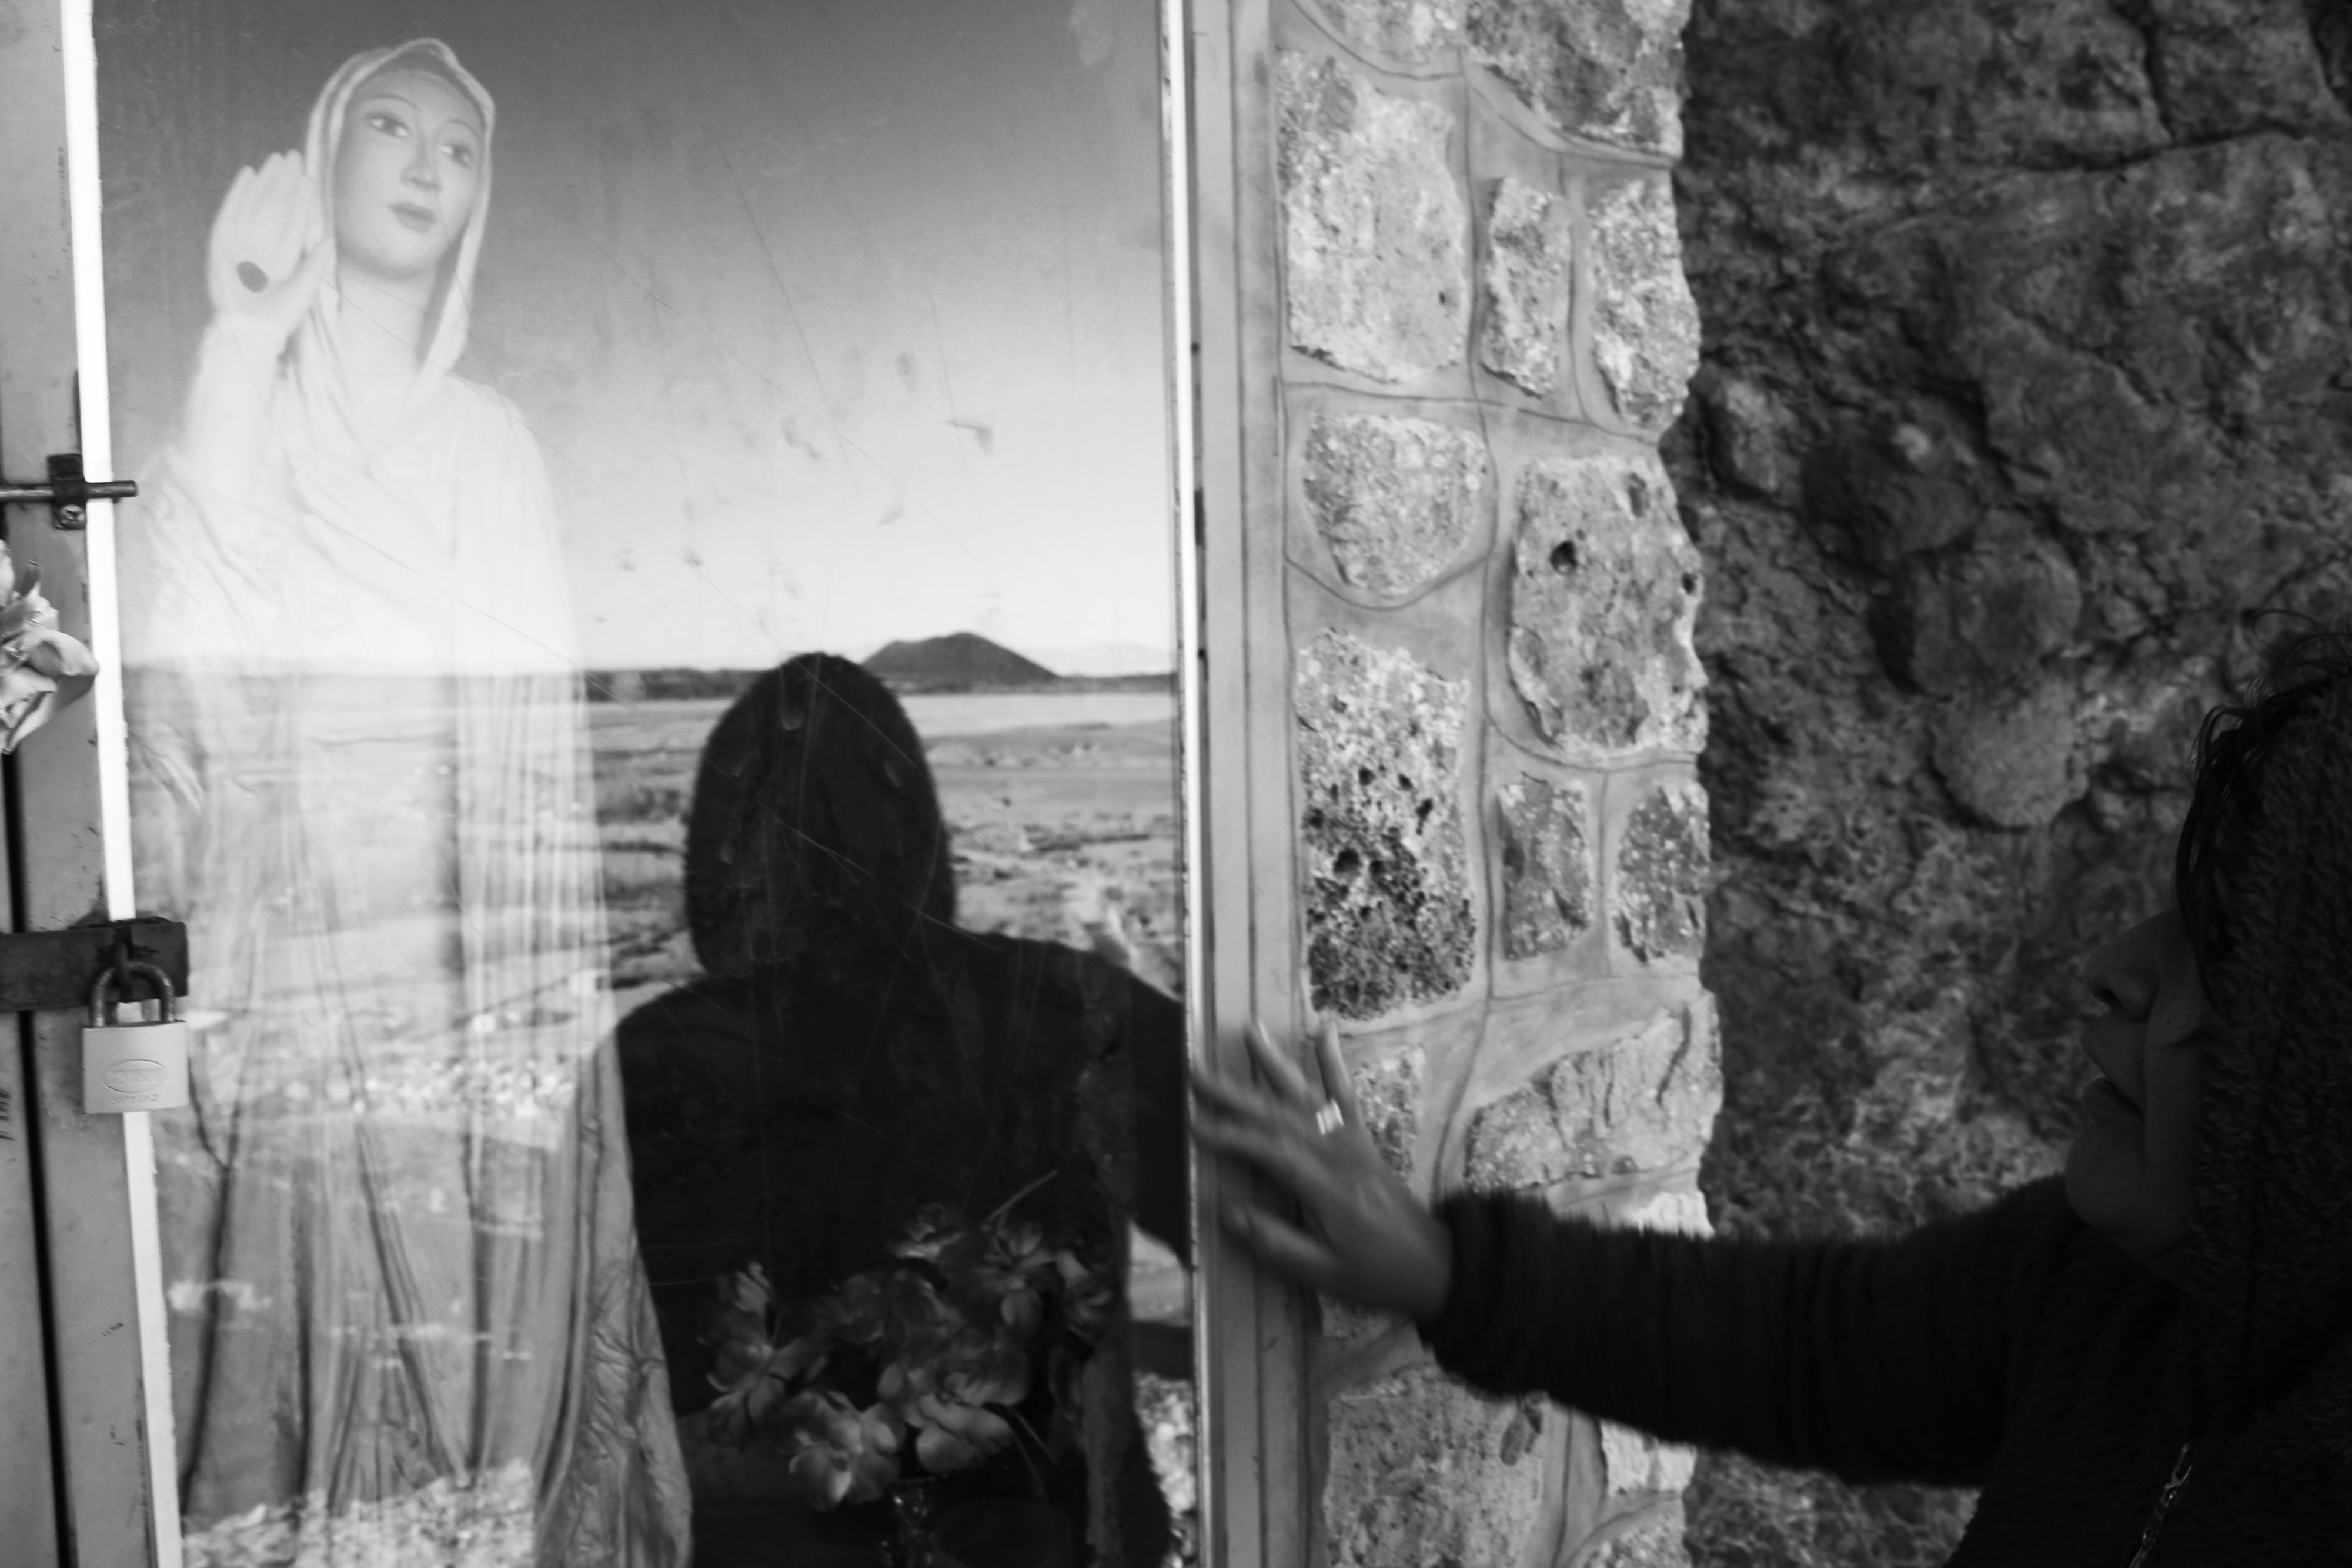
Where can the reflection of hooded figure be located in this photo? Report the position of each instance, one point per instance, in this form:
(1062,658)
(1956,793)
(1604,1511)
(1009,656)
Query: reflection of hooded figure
(407,1318)
(852,1056)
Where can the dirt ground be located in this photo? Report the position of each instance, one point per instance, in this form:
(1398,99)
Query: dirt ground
(1061,832)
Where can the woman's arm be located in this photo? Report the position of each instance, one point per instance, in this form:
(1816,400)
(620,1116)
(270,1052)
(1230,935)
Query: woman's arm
(1878,1359)
(1875,1359)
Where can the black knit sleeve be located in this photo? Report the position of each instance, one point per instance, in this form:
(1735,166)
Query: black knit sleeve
(1879,1360)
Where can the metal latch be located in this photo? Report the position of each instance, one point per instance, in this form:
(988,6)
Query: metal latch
(42,970)
(67,493)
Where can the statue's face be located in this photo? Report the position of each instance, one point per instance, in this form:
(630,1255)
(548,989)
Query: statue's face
(2127,1170)
(407,174)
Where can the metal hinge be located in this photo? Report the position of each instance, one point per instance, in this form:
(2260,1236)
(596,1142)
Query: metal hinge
(42,970)
(67,493)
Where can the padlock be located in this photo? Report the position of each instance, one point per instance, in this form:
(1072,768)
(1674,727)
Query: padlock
(133,1066)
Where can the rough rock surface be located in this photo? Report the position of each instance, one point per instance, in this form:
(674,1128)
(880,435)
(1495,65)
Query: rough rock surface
(1605,71)
(1388,908)
(1634,1462)
(1546,865)
(1682,1213)
(1604,593)
(1658,893)
(1525,285)
(1387,1094)
(1424,1471)
(1655,1539)
(1374,231)
(1395,499)
(2011,763)
(2027,323)
(1646,327)
(1411,32)
(1642,1102)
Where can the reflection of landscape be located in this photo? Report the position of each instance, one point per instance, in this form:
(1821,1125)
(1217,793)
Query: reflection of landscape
(1062,803)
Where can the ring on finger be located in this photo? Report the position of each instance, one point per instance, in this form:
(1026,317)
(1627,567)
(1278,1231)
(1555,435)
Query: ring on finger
(1330,1119)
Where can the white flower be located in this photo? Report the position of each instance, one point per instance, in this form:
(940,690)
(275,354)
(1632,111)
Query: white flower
(41,668)
(839,1453)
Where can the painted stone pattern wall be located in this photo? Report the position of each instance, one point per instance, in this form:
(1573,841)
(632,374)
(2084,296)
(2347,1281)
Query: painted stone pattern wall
(1497,702)
(2028,324)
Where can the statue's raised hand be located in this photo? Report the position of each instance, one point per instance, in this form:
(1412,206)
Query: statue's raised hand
(266,254)
(1360,1233)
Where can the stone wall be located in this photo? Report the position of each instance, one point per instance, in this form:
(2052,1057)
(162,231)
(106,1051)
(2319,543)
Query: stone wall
(2028,324)
(1497,703)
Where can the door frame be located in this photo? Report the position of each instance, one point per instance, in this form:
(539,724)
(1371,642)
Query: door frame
(112,1470)
(1257,1458)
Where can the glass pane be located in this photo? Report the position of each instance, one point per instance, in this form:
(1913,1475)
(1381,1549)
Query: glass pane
(653,690)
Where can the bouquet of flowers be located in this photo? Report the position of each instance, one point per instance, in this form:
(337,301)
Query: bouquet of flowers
(924,1361)
(41,668)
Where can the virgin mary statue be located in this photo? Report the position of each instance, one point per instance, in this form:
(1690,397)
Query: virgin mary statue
(409,1325)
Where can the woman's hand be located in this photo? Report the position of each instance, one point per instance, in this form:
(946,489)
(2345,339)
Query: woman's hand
(265,259)
(1366,1238)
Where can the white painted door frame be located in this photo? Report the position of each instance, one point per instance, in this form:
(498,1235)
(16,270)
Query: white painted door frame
(103,1493)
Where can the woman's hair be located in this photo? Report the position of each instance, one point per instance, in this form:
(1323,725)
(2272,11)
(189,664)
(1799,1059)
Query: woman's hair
(2225,801)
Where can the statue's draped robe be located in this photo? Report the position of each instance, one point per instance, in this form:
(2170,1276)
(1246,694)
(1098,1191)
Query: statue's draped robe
(408,1322)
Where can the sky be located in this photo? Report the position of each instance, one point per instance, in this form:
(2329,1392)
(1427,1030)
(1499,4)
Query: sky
(840,320)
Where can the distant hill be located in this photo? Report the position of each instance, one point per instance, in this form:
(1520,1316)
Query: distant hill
(960,661)
(965,661)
